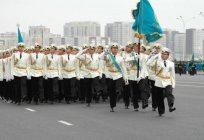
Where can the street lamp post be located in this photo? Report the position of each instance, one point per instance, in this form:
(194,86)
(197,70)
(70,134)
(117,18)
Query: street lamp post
(180,18)
(184,30)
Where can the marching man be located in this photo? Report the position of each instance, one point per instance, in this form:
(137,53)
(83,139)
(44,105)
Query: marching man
(38,66)
(70,74)
(165,82)
(21,73)
(117,73)
(53,73)
(93,71)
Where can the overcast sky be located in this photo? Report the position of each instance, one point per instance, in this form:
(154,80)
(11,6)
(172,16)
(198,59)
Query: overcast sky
(55,13)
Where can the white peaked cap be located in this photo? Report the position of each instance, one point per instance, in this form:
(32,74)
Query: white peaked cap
(164,49)
(21,44)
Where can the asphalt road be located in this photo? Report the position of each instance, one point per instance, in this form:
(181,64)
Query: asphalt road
(78,122)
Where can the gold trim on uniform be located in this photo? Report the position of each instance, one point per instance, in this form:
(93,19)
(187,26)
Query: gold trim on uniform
(113,71)
(92,69)
(69,70)
(19,67)
(52,68)
(33,68)
(164,77)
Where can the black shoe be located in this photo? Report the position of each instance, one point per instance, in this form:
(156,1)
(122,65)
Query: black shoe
(172,109)
(36,103)
(19,103)
(88,105)
(126,107)
(67,102)
(144,106)
(112,110)
(51,103)
(136,109)
(160,114)
(153,109)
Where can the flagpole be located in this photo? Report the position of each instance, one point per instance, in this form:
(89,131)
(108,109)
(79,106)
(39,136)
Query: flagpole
(138,66)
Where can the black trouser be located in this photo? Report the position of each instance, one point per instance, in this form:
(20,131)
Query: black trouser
(29,90)
(12,84)
(161,93)
(143,88)
(108,80)
(88,90)
(53,88)
(6,89)
(70,86)
(103,88)
(46,89)
(114,87)
(1,88)
(127,93)
(37,88)
(135,93)
(61,90)
(82,90)
(96,88)
(20,88)
(153,91)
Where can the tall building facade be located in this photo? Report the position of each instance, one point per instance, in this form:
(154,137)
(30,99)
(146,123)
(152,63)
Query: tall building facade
(194,42)
(170,36)
(120,32)
(55,39)
(82,29)
(39,34)
(179,44)
(10,39)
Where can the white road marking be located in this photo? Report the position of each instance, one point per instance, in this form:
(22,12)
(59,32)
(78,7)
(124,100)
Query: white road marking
(66,123)
(189,86)
(29,109)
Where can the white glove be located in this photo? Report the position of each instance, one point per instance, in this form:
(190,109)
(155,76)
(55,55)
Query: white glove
(126,81)
(7,80)
(78,78)
(156,56)
(100,76)
(45,77)
(106,52)
(28,77)
(12,77)
(85,50)
(137,56)
(60,78)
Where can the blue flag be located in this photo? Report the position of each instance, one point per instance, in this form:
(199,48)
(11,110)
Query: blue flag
(146,22)
(20,38)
